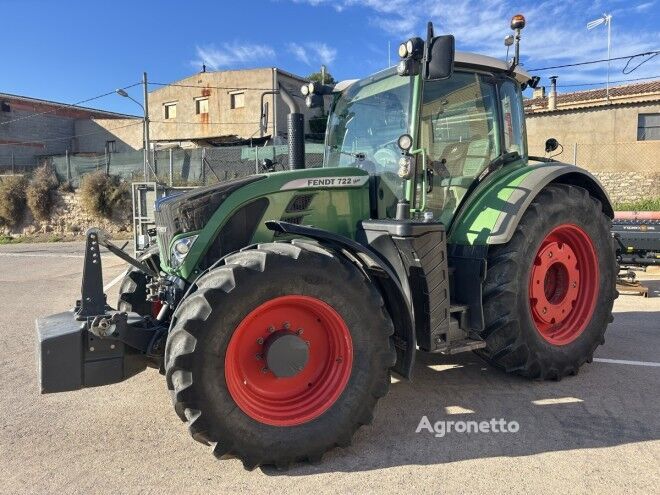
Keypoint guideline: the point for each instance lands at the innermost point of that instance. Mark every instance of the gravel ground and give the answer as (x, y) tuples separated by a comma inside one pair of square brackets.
[(598, 431)]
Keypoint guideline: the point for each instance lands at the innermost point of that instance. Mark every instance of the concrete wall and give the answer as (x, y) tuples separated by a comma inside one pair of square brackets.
[(221, 119), (92, 135), (604, 141), (26, 138), (30, 128)]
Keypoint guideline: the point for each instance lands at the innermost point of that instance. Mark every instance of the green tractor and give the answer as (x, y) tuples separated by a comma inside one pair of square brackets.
[(277, 305)]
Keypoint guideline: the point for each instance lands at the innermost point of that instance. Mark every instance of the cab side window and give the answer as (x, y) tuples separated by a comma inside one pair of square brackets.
[(513, 119), (460, 133)]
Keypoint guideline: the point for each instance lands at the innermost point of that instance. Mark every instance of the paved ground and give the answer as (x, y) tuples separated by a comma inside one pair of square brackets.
[(599, 431)]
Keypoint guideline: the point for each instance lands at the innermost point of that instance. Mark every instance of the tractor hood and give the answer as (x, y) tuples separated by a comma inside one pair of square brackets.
[(191, 210), (196, 228)]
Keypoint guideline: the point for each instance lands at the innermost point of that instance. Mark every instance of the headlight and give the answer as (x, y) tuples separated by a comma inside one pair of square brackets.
[(180, 250)]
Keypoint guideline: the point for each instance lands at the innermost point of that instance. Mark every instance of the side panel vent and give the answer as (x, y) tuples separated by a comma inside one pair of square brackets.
[(299, 202)]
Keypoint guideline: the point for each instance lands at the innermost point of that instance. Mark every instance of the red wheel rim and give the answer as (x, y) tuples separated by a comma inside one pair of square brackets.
[(563, 284), (301, 398)]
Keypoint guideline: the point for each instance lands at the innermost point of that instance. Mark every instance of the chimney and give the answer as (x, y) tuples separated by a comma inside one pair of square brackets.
[(539, 92), (552, 99)]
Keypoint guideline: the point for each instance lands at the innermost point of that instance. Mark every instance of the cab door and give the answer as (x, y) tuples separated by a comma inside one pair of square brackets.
[(460, 131)]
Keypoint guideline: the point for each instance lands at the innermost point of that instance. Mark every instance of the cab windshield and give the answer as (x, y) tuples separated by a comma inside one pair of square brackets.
[(365, 122)]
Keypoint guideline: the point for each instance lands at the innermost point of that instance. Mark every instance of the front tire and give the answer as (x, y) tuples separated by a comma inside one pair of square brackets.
[(549, 291), (230, 392)]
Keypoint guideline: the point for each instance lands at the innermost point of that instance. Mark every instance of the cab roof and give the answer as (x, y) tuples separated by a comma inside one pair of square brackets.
[(465, 60)]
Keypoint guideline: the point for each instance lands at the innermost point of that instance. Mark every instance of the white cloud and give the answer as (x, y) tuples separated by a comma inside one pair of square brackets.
[(643, 7), (233, 54), (313, 53), (299, 52), (324, 53), (556, 31)]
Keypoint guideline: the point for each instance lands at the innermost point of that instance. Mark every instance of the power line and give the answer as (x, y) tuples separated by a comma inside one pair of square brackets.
[(201, 123), (71, 137), (604, 82), (655, 52), (67, 105), (231, 88)]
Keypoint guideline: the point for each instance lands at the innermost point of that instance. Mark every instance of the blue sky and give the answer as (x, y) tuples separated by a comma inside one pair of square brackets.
[(69, 50)]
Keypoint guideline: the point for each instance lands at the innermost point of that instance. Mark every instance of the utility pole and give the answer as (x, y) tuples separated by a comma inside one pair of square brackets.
[(147, 144), (323, 74), (609, 53), (389, 54)]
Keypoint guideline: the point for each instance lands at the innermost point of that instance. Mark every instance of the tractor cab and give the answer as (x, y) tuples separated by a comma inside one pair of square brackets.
[(455, 129)]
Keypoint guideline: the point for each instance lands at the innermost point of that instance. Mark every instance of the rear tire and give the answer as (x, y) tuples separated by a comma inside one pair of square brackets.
[(549, 291), (215, 358)]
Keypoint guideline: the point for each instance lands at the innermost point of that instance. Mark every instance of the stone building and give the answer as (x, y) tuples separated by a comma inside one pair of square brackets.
[(205, 109), (616, 138), (231, 106), (31, 128)]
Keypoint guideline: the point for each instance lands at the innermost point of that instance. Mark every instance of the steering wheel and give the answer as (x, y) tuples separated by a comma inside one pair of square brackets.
[(386, 158)]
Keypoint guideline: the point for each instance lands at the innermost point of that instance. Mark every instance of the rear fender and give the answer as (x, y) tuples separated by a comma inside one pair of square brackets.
[(493, 211)]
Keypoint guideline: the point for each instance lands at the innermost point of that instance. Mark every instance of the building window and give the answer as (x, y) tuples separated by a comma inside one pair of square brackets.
[(170, 110), (201, 106), (237, 100), (648, 127), (4, 106), (111, 146)]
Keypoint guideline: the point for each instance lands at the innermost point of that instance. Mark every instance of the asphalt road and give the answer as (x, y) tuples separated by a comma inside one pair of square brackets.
[(596, 432)]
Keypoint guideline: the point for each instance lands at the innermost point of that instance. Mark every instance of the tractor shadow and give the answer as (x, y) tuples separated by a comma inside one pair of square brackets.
[(605, 405)]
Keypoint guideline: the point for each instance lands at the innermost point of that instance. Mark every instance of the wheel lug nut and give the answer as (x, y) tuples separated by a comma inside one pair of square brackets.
[(299, 331), (264, 370), (258, 356), (544, 311), (260, 340), (286, 325), (574, 285), (271, 329)]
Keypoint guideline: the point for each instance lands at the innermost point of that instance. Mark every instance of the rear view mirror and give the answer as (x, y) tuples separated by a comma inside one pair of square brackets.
[(440, 59), (551, 145)]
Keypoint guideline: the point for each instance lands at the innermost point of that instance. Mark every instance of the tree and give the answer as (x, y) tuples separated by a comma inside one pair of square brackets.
[(316, 77)]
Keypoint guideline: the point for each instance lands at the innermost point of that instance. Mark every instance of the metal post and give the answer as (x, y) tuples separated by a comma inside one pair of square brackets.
[(203, 166), (256, 159), (147, 144), (68, 166), (171, 168), (276, 86), (107, 161), (13, 163), (574, 153), (609, 38)]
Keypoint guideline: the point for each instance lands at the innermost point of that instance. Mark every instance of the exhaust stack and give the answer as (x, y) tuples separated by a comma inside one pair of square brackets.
[(295, 126), (552, 98)]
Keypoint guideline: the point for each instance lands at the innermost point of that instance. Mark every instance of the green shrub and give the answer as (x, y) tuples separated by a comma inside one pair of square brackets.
[(105, 196), (12, 199), (41, 192), (649, 204)]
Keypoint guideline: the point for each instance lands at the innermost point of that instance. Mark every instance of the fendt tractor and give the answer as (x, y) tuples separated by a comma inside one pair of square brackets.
[(277, 305)]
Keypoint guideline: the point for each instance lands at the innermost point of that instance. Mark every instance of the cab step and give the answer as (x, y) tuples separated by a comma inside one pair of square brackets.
[(464, 345)]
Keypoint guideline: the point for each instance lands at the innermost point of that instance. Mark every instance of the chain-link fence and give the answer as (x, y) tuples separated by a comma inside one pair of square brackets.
[(629, 171), (180, 167)]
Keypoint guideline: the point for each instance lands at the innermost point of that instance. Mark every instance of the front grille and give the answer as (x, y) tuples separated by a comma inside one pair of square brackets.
[(166, 226)]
